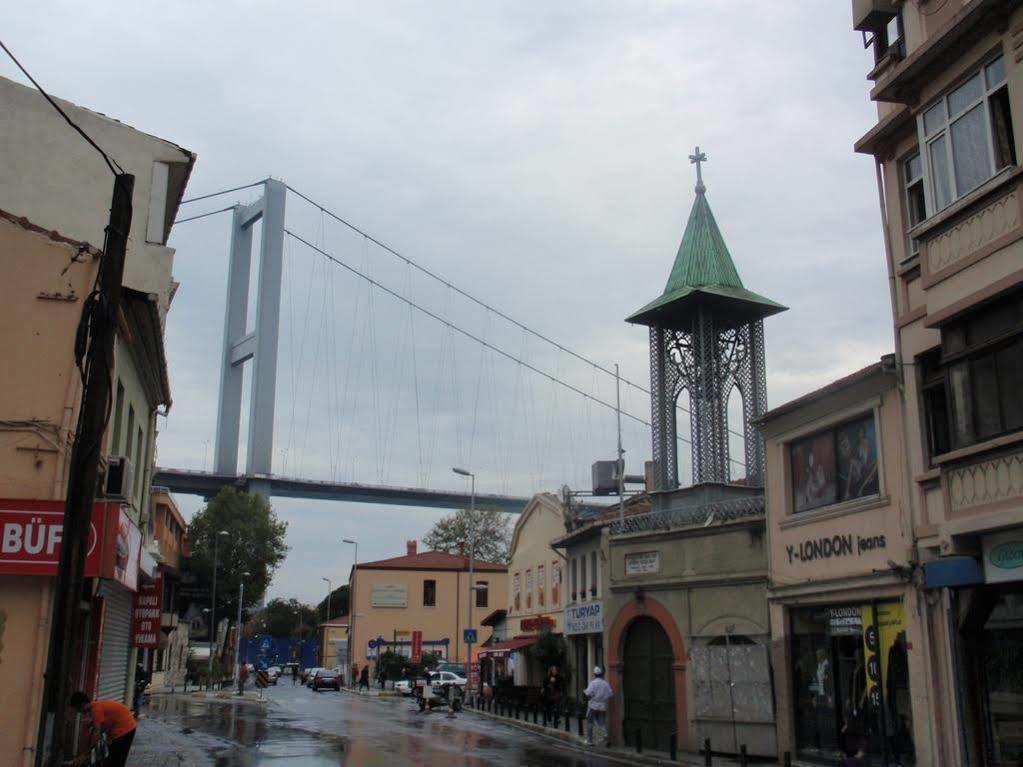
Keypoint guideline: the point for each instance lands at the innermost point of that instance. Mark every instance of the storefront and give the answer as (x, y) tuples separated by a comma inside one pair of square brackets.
[(584, 630), (850, 682)]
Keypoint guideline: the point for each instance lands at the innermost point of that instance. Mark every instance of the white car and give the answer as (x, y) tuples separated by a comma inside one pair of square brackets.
[(445, 680), (404, 686)]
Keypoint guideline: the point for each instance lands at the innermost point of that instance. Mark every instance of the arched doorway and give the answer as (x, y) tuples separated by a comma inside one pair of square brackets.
[(648, 685)]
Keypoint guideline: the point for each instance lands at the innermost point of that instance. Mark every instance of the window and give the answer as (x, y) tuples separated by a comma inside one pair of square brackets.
[(935, 402), (983, 362), (575, 579), (482, 594), (115, 437), (913, 186), (129, 432), (835, 465), (582, 577), (138, 463), (429, 593), (529, 588), (887, 38), (593, 573), (967, 136)]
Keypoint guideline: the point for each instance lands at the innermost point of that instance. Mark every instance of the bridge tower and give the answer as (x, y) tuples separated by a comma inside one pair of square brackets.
[(706, 336), (258, 345)]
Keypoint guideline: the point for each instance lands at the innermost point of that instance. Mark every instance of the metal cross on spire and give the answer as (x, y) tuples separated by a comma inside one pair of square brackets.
[(699, 157)]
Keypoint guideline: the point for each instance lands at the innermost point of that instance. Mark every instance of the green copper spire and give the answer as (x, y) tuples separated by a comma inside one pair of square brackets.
[(703, 274)]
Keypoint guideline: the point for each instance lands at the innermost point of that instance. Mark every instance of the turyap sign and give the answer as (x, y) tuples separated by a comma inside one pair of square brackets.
[(1003, 557), (585, 618)]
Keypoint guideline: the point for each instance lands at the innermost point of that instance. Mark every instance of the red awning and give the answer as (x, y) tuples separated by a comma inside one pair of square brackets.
[(500, 649)]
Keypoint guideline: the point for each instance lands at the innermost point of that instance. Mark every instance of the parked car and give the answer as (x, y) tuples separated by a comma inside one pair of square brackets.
[(325, 677), (445, 680), (274, 673), (310, 674), (404, 686)]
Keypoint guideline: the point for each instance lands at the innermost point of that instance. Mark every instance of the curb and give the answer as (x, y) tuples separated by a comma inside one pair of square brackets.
[(620, 755)]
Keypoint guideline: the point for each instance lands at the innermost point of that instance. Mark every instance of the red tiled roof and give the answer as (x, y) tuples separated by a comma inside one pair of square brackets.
[(433, 560)]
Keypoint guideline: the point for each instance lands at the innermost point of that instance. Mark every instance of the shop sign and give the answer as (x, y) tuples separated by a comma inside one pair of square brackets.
[(31, 533), (643, 563), (845, 621), (833, 546), (585, 618), (538, 623), (417, 647), (145, 614), (389, 595), (1003, 557)]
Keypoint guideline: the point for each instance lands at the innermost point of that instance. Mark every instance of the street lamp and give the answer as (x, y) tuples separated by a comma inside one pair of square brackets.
[(472, 590), (213, 609), (351, 604), (238, 625), (330, 590)]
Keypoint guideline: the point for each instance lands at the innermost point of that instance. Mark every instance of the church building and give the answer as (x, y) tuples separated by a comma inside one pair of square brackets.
[(686, 627)]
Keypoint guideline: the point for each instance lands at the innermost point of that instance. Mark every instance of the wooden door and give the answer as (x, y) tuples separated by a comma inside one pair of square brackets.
[(649, 686)]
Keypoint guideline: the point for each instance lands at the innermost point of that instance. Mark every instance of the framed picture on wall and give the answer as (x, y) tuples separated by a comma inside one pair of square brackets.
[(813, 472)]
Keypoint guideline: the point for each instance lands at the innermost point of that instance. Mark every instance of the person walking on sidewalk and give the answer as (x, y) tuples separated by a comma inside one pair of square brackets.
[(597, 693), (364, 679), (243, 675), (294, 675), (111, 718)]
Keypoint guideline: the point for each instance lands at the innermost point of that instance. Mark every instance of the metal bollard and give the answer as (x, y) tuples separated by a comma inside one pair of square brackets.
[(673, 747), (545, 717), (568, 721), (536, 714), (580, 722), (707, 756), (639, 741), (787, 759), (743, 759)]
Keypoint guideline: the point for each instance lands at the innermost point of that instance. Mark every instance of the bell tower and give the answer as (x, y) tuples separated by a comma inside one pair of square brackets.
[(706, 336)]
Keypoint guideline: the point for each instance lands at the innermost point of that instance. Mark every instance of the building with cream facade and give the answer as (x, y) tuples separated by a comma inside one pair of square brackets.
[(948, 83), (426, 592), (54, 206)]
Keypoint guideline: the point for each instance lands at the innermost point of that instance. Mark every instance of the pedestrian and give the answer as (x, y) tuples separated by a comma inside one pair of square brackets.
[(142, 679), (110, 718), (294, 675), (551, 695), (243, 675), (597, 693), (364, 679), (355, 674)]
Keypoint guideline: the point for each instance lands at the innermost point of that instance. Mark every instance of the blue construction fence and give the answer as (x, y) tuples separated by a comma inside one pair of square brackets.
[(264, 651)]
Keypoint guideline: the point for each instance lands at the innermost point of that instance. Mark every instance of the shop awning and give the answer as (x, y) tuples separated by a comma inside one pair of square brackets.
[(501, 649)]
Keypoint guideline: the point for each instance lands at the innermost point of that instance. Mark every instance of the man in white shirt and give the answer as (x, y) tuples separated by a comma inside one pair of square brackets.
[(598, 693)]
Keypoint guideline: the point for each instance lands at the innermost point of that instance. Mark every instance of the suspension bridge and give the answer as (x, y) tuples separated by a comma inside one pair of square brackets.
[(389, 375)]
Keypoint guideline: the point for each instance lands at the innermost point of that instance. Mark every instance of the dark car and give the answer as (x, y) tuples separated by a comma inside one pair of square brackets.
[(326, 678)]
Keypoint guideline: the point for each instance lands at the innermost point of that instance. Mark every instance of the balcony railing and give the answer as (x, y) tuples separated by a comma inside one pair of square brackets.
[(690, 516)]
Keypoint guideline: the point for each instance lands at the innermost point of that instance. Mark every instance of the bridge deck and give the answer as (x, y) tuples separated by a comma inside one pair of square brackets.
[(208, 484)]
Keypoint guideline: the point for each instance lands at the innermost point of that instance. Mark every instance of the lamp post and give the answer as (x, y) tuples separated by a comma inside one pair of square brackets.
[(323, 644), (351, 604), (238, 626), (213, 609), (472, 590)]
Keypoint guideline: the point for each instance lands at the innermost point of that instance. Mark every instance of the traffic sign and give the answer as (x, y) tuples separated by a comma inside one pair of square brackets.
[(469, 636), (262, 679)]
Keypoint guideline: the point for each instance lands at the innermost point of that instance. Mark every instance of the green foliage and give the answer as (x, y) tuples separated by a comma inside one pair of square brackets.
[(491, 532), (391, 665), (254, 544), (338, 604), (549, 649), (284, 618)]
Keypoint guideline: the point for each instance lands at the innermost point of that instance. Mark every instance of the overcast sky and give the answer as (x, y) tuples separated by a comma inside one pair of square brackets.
[(535, 154)]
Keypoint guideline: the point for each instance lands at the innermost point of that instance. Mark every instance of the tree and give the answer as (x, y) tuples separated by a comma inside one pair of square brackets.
[(491, 533), (284, 618), (549, 650), (338, 604), (254, 544)]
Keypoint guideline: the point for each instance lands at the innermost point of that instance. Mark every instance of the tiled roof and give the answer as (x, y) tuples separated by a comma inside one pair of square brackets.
[(432, 560)]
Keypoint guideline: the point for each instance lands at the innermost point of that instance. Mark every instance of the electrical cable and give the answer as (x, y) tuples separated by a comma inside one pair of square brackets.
[(115, 167)]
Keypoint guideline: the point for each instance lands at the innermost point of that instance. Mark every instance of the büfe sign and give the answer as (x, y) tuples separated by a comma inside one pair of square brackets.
[(145, 613), (31, 533)]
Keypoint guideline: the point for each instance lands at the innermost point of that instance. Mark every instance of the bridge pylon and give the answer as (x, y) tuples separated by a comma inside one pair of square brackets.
[(258, 345)]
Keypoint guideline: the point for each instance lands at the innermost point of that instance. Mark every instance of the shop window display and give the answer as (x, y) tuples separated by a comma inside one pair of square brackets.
[(836, 465), (851, 683)]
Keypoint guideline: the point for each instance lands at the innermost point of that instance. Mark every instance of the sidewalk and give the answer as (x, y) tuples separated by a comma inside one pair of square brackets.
[(617, 753), (158, 744)]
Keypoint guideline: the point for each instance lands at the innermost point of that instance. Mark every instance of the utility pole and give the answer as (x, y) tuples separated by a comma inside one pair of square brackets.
[(83, 473)]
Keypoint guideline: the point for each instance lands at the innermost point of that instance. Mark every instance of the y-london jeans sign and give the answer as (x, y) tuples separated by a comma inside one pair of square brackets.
[(584, 619)]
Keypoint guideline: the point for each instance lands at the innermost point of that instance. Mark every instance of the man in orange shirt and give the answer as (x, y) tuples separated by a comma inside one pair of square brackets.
[(111, 717)]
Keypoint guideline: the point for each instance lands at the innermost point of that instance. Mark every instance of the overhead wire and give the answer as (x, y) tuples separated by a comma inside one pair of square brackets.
[(112, 164), (224, 191), (203, 215)]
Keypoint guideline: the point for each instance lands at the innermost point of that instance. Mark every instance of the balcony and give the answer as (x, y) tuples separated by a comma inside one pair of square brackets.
[(987, 483)]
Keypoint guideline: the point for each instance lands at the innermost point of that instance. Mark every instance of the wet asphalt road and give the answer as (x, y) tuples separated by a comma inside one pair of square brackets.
[(324, 729)]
